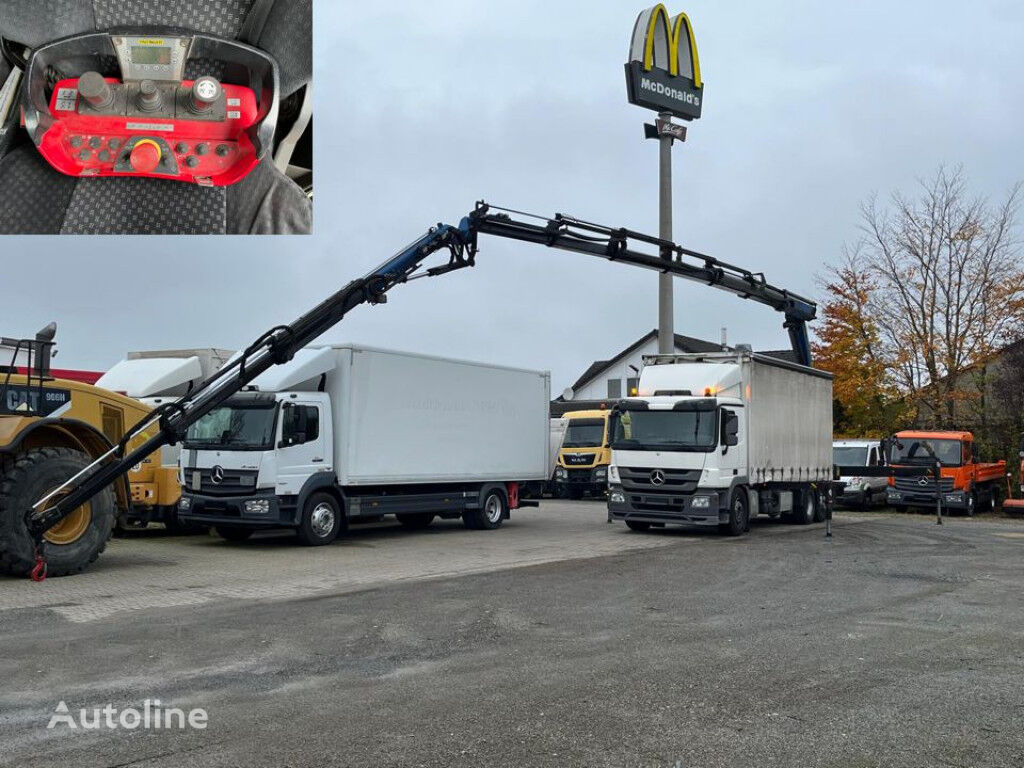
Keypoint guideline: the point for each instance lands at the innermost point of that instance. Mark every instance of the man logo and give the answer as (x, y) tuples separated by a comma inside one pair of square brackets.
[(217, 475), (663, 72), (657, 477)]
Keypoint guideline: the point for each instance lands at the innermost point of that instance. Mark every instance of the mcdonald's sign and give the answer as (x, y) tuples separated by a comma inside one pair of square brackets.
[(663, 71)]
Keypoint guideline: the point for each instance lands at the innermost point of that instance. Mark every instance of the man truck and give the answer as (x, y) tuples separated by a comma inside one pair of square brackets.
[(348, 434), (583, 461), (717, 439), (966, 484), (156, 378)]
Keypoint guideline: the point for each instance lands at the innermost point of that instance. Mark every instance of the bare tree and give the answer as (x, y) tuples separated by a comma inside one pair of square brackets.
[(949, 286)]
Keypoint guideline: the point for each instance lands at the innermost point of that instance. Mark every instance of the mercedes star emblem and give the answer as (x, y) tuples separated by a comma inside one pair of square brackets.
[(923, 481), (657, 477), (217, 475)]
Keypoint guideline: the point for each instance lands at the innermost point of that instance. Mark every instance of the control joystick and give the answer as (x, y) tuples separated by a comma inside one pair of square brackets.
[(150, 98), (96, 90)]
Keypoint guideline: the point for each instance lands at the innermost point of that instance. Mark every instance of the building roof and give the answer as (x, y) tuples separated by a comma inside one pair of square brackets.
[(683, 344)]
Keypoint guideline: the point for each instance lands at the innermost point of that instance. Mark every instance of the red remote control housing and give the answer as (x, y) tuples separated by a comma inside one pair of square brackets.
[(200, 151)]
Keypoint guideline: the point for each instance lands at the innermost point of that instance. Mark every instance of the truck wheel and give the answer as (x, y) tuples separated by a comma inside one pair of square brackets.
[(992, 502), (638, 525), (808, 509), (972, 503), (822, 506), (321, 520), (174, 525), (416, 521), (234, 533), (739, 514), (71, 544), (490, 515)]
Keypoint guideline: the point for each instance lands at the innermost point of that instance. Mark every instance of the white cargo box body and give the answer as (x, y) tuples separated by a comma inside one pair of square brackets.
[(402, 418), (788, 408)]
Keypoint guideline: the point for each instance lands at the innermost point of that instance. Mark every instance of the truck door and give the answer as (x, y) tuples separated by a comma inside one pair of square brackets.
[(301, 446)]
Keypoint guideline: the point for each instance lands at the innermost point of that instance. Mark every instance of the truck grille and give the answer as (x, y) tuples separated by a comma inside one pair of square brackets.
[(232, 483), (681, 481), (578, 459), (914, 485)]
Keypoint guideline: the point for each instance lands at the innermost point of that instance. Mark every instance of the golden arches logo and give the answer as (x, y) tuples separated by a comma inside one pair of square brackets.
[(658, 41)]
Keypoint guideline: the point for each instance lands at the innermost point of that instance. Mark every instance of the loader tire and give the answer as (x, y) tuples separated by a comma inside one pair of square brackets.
[(73, 543)]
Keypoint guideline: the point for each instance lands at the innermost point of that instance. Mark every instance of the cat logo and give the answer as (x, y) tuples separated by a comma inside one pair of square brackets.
[(663, 72)]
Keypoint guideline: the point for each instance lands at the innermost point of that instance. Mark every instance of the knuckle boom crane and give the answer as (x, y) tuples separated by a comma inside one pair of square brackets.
[(279, 344)]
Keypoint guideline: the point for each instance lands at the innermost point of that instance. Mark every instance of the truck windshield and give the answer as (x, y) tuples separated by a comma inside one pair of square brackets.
[(849, 456), (584, 433), (666, 430), (914, 450), (238, 427)]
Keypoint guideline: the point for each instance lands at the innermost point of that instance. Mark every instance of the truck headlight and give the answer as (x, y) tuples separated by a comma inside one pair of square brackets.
[(257, 506), (560, 473), (184, 503), (701, 502), (895, 495), (617, 497), (613, 474), (600, 473), (864, 486)]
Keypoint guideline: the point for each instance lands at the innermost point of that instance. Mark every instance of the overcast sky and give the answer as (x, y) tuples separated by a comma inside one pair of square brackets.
[(423, 108)]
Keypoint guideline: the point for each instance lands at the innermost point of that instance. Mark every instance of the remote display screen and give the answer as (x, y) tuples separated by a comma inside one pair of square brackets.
[(150, 54)]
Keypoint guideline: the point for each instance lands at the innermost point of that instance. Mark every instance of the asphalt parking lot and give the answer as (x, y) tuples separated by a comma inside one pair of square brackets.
[(558, 640)]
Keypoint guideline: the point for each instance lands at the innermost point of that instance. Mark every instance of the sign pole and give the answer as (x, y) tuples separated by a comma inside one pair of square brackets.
[(666, 319), (663, 75)]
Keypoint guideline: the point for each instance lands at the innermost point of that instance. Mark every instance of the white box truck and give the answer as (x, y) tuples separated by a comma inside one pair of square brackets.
[(716, 439), (347, 434)]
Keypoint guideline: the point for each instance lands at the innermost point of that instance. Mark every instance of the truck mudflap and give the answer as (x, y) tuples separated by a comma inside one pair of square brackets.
[(702, 508)]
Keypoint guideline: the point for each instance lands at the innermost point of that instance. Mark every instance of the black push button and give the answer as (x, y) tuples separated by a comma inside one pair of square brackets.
[(192, 161), (181, 148), (76, 141), (95, 142), (202, 149), (223, 150), (114, 144)]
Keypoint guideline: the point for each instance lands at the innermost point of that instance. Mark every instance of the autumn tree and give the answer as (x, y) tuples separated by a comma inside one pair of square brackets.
[(932, 289), (866, 402)]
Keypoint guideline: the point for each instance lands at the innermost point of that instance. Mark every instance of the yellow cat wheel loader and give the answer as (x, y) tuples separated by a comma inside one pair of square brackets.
[(50, 430)]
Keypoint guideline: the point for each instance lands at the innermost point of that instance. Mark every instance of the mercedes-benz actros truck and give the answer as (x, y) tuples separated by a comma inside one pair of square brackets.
[(716, 439)]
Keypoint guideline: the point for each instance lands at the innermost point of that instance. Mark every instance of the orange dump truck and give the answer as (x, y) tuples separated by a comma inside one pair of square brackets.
[(967, 485)]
